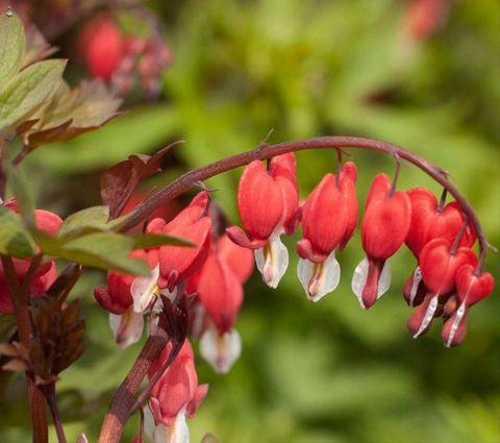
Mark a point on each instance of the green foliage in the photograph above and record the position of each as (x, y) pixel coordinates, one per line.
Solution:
(15, 240)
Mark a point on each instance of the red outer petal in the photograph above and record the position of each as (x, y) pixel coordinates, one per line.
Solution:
(461, 331)
(185, 260)
(220, 292)
(386, 222)
(439, 266)
(379, 188)
(260, 201)
(472, 288)
(423, 212)
(239, 259)
(348, 177)
(324, 216)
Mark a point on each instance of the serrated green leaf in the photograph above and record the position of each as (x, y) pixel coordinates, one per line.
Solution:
(145, 241)
(28, 90)
(102, 250)
(12, 48)
(14, 238)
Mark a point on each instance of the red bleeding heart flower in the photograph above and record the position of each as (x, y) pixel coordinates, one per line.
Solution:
(473, 287)
(177, 263)
(384, 229)
(439, 262)
(127, 298)
(268, 205)
(219, 285)
(174, 398)
(431, 220)
(329, 218)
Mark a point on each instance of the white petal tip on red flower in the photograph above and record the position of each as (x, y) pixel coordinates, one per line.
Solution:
(360, 277)
(127, 328)
(429, 315)
(178, 432)
(272, 261)
(220, 351)
(319, 279)
(143, 290)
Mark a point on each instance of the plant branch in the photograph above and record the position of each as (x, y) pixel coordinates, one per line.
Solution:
(50, 395)
(263, 152)
(124, 397)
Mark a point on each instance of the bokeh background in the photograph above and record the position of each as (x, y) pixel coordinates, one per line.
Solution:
(328, 372)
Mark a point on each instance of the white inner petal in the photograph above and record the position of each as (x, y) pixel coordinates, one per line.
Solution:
(178, 432)
(319, 279)
(272, 260)
(417, 278)
(143, 290)
(384, 282)
(429, 315)
(149, 423)
(359, 280)
(458, 317)
(221, 352)
(127, 328)
(360, 277)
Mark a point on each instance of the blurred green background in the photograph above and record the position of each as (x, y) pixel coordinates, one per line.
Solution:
(328, 372)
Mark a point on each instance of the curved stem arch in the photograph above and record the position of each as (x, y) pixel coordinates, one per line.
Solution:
(185, 182)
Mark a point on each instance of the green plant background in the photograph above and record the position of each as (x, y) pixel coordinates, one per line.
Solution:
(328, 372)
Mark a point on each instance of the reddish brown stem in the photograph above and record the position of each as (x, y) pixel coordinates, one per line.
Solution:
(186, 181)
(124, 397)
(50, 395)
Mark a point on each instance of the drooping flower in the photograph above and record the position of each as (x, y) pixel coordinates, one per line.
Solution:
(127, 298)
(219, 286)
(175, 398)
(384, 229)
(471, 288)
(177, 263)
(268, 205)
(431, 220)
(439, 262)
(329, 218)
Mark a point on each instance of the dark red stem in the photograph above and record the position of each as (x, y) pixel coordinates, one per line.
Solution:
(186, 181)
(124, 397)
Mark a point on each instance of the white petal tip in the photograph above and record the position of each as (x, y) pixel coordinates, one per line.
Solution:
(221, 352)
(272, 261)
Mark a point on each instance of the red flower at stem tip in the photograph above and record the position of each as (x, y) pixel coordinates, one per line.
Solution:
(268, 204)
(384, 230)
(329, 218)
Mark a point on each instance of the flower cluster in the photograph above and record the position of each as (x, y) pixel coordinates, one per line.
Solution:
(123, 59)
(446, 283)
(46, 274)
(207, 279)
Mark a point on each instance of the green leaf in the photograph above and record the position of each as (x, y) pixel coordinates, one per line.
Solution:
(14, 238)
(102, 250)
(12, 48)
(145, 241)
(28, 90)
(18, 185)
(84, 222)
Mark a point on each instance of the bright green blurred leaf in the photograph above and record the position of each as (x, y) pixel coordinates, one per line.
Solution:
(12, 47)
(14, 238)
